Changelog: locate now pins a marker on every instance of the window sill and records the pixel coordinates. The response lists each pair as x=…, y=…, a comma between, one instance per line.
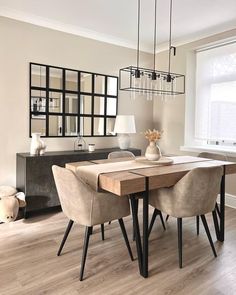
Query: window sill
x=228, y=151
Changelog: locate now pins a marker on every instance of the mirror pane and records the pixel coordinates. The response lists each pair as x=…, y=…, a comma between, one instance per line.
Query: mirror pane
x=55, y=78
x=38, y=101
x=99, y=84
x=71, y=126
x=110, y=126
x=71, y=103
x=86, y=104
x=38, y=76
x=99, y=105
x=38, y=125
x=98, y=126
x=71, y=80
x=86, y=82
x=55, y=102
x=85, y=126
x=111, y=106
x=112, y=86
x=55, y=126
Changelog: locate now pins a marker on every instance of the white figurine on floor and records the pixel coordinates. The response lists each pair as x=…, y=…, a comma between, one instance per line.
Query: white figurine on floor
x=10, y=202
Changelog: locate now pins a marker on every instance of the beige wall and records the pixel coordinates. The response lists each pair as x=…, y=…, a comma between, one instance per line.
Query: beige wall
x=22, y=43
x=170, y=116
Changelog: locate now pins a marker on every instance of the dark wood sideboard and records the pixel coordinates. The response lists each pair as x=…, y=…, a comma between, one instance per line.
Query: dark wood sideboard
x=34, y=175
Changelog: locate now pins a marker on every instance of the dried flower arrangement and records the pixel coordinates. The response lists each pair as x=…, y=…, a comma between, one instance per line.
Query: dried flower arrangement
x=153, y=135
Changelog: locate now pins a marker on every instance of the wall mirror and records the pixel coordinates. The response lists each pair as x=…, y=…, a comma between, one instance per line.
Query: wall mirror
x=65, y=102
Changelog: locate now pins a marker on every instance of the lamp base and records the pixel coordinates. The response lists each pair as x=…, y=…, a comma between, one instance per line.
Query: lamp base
x=124, y=141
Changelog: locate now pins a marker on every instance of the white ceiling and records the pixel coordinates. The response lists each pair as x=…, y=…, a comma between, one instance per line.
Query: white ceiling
x=114, y=21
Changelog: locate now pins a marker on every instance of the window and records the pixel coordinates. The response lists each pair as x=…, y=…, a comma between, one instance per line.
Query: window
x=215, y=102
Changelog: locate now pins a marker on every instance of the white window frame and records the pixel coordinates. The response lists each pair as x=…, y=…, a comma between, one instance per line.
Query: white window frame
x=191, y=144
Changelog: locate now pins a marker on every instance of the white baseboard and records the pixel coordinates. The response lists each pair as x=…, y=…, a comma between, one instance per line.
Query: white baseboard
x=230, y=200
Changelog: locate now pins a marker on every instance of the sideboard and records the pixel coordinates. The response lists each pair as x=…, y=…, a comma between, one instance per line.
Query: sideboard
x=34, y=175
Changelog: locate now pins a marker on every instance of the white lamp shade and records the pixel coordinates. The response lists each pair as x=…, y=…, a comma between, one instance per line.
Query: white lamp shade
x=125, y=124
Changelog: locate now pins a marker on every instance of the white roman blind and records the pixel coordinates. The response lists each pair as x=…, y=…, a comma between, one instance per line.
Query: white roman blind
x=215, y=104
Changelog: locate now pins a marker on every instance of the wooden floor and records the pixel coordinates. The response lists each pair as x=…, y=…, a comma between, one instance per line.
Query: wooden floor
x=29, y=265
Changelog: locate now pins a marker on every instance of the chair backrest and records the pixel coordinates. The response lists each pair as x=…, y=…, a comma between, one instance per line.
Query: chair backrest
x=121, y=154
x=213, y=156
x=196, y=193
x=76, y=197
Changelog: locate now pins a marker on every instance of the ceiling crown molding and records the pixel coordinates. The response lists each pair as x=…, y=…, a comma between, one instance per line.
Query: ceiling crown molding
x=210, y=32
x=86, y=33
x=67, y=28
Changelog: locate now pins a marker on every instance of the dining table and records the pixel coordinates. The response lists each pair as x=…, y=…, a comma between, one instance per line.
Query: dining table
x=127, y=176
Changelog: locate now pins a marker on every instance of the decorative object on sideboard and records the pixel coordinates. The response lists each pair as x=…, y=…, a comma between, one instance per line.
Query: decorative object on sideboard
x=151, y=82
x=80, y=144
x=37, y=146
x=91, y=147
x=153, y=152
x=124, y=125
x=10, y=202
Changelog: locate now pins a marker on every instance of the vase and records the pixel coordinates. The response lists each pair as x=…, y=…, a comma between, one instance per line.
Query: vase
x=153, y=152
x=37, y=146
x=79, y=143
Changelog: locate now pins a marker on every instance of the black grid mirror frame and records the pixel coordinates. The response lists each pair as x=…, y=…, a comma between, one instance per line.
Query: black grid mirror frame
x=50, y=102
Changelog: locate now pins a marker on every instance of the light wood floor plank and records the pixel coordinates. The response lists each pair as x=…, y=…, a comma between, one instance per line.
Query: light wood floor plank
x=29, y=265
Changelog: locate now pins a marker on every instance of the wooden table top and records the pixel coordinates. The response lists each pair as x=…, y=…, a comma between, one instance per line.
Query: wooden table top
x=134, y=181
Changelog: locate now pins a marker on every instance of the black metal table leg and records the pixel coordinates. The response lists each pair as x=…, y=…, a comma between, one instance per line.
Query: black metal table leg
x=145, y=229
x=222, y=209
x=134, y=205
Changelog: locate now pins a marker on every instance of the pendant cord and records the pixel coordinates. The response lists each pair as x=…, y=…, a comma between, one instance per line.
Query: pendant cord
x=170, y=36
x=155, y=37
x=138, y=44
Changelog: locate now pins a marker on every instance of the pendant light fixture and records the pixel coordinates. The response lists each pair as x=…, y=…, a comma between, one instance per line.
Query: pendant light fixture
x=152, y=81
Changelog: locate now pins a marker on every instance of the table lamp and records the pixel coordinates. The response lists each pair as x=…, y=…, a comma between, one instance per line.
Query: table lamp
x=124, y=125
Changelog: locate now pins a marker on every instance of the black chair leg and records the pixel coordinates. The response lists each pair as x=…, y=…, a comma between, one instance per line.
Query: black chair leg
x=197, y=224
x=162, y=220
x=180, y=241
x=122, y=226
x=102, y=231
x=167, y=217
x=88, y=231
x=217, y=209
x=109, y=222
x=208, y=234
x=133, y=234
x=154, y=215
x=69, y=226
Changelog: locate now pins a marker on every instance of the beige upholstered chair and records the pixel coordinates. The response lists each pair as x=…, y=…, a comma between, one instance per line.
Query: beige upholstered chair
x=193, y=195
x=213, y=156
x=121, y=154
x=87, y=207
